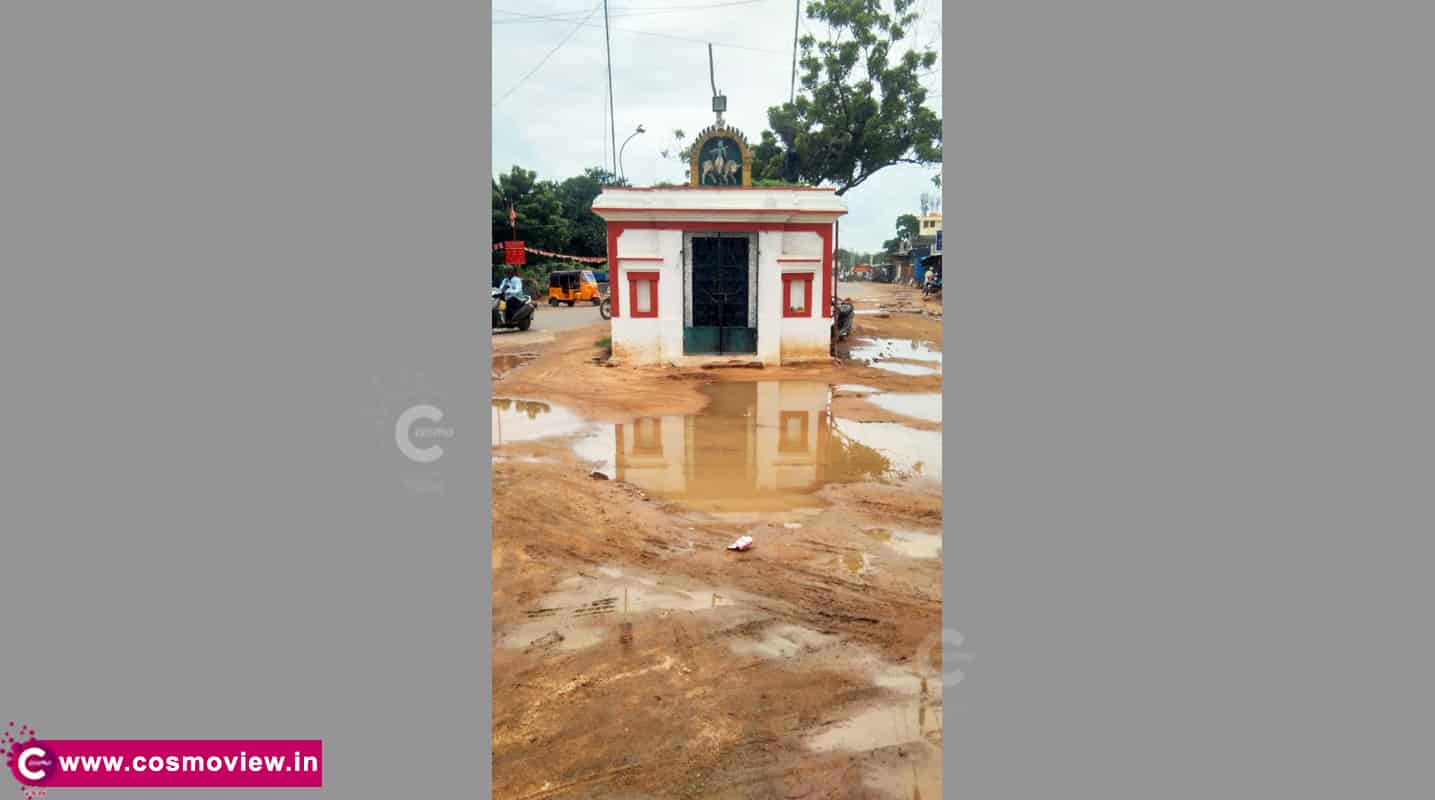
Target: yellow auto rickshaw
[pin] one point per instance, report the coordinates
(572, 287)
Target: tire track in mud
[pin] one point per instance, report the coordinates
(599, 607)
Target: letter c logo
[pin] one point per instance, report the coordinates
(404, 437)
(22, 763)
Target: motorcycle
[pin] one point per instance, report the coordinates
(521, 318)
(605, 308)
(842, 316)
(931, 287)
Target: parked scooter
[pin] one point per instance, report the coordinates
(521, 318)
(842, 316)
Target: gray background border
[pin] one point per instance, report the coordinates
(238, 239)
(1189, 398)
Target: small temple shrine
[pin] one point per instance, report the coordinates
(718, 269)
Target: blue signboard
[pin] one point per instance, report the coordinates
(938, 247)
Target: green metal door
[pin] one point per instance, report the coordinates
(720, 317)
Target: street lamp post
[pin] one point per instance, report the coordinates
(621, 173)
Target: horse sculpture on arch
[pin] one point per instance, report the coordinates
(714, 161)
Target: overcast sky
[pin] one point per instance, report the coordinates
(551, 116)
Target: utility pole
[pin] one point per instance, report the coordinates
(719, 102)
(612, 120)
(796, 20)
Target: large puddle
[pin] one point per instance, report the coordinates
(526, 420)
(906, 452)
(758, 446)
(903, 368)
(902, 356)
(926, 406)
(912, 544)
(908, 719)
(901, 349)
(505, 363)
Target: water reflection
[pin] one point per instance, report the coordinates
(758, 446)
(900, 349)
(926, 406)
(898, 355)
(909, 452)
(525, 420)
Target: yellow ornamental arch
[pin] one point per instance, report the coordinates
(720, 157)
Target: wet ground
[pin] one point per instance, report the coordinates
(763, 444)
(635, 656)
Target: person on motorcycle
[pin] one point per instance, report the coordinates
(932, 281)
(509, 291)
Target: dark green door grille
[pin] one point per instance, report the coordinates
(720, 297)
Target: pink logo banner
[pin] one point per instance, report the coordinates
(165, 763)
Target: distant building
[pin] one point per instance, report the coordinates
(928, 242)
(930, 225)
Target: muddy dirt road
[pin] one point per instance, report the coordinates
(547, 321)
(636, 656)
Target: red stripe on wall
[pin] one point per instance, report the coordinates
(689, 187)
(613, 279)
(774, 211)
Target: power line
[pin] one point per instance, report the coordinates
(545, 58)
(678, 38)
(518, 17)
(612, 115)
(604, 129)
(704, 41)
(625, 11)
(796, 21)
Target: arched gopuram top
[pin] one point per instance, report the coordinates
(721, 157)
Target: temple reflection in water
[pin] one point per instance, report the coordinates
(757, 446)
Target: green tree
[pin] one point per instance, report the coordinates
(556, 216)
(588, 234)
(537, 206)
(552, 215)
(861, 105)
(908, 226)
